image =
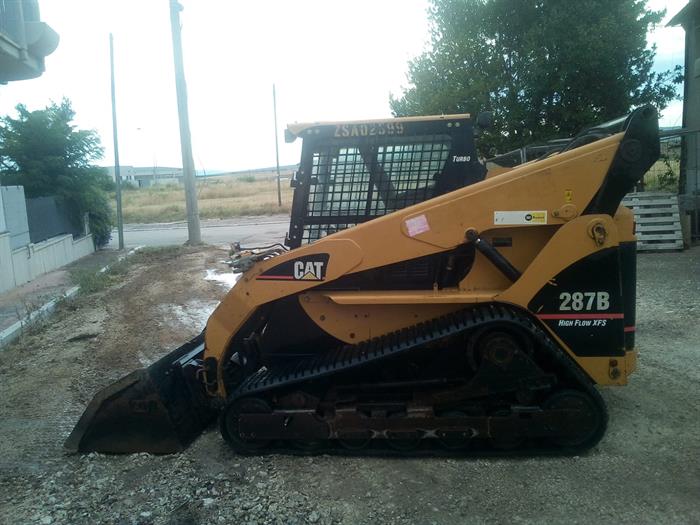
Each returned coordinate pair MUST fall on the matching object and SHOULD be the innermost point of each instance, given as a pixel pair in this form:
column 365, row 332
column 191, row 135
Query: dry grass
column 218, row 198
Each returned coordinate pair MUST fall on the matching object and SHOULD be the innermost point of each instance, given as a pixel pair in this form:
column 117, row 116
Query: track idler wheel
column 580, row 430
column 230, row 428
column 506, row 441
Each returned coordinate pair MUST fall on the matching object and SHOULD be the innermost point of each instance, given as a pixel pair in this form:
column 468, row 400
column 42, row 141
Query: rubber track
column 403, row 341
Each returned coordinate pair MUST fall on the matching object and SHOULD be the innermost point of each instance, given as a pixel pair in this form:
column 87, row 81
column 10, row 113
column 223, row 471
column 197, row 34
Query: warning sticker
column 520, row 217
column 417, row 225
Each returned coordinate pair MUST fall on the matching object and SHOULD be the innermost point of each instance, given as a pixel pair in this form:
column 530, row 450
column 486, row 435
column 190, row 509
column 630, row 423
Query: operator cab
column 352, row 172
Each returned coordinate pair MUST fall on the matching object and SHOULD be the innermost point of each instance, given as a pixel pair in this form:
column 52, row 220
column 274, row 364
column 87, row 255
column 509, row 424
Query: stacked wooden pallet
column 658, row 220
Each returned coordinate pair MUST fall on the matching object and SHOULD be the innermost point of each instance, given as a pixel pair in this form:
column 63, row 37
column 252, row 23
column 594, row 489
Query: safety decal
column 511, row 218
column 417, row 225
column 305, row 268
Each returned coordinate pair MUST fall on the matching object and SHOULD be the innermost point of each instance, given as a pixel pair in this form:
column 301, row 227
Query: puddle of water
column 225, row 279
column 193, row 314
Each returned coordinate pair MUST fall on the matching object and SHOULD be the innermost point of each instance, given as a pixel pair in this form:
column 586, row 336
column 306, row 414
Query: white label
column 520, row 217
column 588, row 301
column 417, row 225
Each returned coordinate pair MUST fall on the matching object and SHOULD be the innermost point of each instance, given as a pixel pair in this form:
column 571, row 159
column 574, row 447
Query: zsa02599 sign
column 377, row 129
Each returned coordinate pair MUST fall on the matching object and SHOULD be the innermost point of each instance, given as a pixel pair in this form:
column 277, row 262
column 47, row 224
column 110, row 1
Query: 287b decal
column 584, row 301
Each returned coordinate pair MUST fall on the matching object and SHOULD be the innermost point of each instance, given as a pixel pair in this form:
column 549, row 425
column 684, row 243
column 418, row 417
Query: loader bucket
column 159, row 409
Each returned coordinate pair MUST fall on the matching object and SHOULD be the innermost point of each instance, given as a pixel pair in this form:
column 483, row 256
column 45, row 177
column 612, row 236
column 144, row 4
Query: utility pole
column 195, row 235
column 277, row 147
column 117, row 172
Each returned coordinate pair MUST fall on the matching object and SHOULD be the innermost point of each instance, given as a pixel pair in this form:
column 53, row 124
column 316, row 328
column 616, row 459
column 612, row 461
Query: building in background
column 689, row 18
column 24, row 40
column 143, row 177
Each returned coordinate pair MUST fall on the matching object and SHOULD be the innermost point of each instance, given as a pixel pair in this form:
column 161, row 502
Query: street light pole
column 117, row 171
column 195, row 235
column 277, row 147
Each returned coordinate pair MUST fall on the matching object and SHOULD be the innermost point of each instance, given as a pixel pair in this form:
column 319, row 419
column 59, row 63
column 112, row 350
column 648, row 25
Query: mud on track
column 646, row 469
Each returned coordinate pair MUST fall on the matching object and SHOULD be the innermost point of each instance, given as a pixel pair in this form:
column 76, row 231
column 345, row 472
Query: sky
column 329, row 60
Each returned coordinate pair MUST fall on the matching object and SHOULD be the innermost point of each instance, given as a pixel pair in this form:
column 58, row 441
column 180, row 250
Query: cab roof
column 297, row 129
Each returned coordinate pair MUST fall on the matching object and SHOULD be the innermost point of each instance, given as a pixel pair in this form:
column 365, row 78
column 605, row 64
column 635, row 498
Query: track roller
column 230, row 427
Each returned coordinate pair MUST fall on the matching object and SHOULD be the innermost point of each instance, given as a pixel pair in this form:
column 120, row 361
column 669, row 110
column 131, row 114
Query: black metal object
column 409, row 419
column 584, row 304
column 159, row 409
column 639, row 149
column 443, row 270
column 48, row 217
column 628, row 271
column 528, row 153
column 347, row 357
column 493, row 255
column 345, row 180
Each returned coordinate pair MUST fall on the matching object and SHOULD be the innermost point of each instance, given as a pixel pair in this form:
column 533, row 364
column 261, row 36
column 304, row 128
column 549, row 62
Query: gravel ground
column 646, row 469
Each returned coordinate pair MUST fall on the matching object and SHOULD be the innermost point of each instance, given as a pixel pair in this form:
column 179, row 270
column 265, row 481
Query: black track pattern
column 413, row 338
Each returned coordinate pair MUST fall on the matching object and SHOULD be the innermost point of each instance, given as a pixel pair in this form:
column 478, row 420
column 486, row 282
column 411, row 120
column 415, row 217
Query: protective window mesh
column 351, row 184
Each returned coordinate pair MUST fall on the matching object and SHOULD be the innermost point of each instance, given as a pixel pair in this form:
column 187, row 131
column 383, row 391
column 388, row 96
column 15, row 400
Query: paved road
column 246, row 230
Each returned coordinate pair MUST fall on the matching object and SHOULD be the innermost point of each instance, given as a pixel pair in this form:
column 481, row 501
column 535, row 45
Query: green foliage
column 664, row 175
column 246, row 178
column 91, row 281
column 546, row 68
column 668, row 178
column 44, row 152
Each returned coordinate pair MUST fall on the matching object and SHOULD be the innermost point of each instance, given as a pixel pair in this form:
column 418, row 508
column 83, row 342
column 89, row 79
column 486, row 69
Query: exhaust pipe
column 160, row 409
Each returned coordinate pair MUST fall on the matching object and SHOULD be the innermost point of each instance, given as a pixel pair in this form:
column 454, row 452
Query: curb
column 12, row 332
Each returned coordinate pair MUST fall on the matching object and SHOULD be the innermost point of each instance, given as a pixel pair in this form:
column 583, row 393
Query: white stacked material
column 658, row 220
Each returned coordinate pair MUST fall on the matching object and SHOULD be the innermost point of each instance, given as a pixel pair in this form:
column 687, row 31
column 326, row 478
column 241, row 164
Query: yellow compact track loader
column 421, row 305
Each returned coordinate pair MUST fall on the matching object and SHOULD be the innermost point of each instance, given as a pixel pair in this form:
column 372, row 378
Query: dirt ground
column 645, row 470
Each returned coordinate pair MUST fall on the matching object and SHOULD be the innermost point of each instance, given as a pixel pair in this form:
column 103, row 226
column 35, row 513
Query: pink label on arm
column 417, row 225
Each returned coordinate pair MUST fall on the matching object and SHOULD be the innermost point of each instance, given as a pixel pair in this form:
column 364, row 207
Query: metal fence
column 48, row 218
column 677, row 172
column 664, row 175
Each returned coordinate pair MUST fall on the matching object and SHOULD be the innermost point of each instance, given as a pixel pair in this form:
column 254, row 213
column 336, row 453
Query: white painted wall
column 24, row 264
column 7, row 274
column 3, row 225
column 15, row 211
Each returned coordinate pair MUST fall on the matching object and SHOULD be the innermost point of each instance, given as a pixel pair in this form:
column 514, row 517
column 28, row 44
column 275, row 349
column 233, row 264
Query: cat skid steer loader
column 421, row 306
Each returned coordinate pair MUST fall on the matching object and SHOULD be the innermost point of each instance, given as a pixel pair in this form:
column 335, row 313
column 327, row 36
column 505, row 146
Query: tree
column 44, row 152
column 546, row 68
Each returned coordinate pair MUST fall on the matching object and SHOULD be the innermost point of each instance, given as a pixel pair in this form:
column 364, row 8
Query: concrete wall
column 15, row 211
column 7, row 273
column 3, row 226
column 22, row 261
column 24, row 264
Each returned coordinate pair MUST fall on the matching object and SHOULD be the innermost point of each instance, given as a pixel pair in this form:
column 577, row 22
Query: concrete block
column 7, row 274
column 34, row 260
column 15, row 215
column 3, row 224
